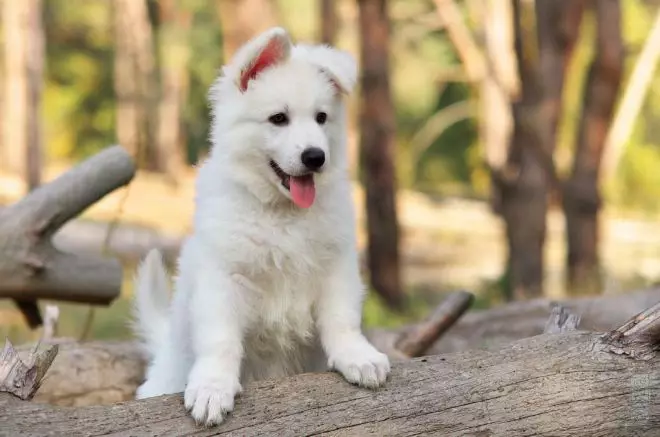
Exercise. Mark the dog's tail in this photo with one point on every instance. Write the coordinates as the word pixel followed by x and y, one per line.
pixel 151 302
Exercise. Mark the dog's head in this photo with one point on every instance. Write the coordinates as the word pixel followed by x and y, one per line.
pixel 279 119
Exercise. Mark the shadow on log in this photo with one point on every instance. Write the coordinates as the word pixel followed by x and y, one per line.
pixel 566 383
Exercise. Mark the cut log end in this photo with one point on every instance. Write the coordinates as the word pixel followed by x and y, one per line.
pixel 22 379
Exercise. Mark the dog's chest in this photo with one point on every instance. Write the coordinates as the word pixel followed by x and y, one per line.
pixel 293 251
pixel 286 265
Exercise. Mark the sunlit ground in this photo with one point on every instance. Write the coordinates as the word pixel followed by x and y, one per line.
pixel 447 244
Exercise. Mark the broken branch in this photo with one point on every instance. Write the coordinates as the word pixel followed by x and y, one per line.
pixel 31 267
pixel 415 341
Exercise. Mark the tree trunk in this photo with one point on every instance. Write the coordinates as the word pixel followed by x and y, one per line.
pixel 35 74
pixel 543 385
pixel 378 153
pixel 15 22
pixel 529 174
pixel 329 21
pixel 499 86
pixel 175 23
pixel 242 20
pixel 582 201
pixel 134 81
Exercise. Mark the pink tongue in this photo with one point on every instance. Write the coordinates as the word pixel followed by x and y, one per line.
pixel 303 190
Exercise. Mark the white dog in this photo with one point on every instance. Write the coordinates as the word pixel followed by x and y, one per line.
pixel 269 282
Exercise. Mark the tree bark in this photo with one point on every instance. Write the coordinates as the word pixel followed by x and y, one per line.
pixel 543 384
pixel 24 59
pixel 35 79
pixel 529 174
pixel 582 200
pixel 109 372
pixel 15 22
pixel 31 267
pixel 378 153
pixel 175 23
pixel 134 81
pixel 498 88
pixel 329 21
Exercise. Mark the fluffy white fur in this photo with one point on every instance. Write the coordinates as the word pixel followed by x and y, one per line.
pixel 265 289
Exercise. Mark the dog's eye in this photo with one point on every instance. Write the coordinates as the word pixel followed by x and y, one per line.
pixel 321 117
pixel 279 119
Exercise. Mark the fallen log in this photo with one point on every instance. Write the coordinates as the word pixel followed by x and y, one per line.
pixel 498 326
pixel 108 372
pixel 31 267
pixel 561 384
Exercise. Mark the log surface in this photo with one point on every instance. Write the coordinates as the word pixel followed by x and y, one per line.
pixel 108 372
pixel 565 384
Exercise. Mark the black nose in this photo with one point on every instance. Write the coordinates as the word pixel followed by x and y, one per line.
pixel 313 158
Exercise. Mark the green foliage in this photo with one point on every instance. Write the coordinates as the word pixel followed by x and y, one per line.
pixel 79 106
pixel 638 181
pixel 79 95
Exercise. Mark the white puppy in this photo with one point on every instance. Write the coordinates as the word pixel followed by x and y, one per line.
pixel 268 283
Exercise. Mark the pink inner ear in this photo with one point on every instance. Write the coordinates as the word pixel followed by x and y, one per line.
pixel 269 56
pixel 338 88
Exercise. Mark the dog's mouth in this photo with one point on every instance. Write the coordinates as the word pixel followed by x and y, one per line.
pixel 302 188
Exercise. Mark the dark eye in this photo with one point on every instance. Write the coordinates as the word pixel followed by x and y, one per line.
pixel 321 117
pixel 279 119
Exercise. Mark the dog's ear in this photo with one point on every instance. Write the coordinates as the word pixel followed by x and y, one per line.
pixel 264 51
pixel 339 65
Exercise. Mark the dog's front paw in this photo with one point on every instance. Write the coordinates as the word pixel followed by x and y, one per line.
pixel 361 364
pixel 210 399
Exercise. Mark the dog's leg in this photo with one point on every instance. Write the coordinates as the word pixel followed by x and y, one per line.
pixel 339 316
pixel 216 320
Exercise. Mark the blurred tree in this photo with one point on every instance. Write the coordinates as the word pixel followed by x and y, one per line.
pixel 377 144
pixel 24 60
pixel 329 21
pixel 498 88
pixel 242 20
pixel 173 32
pixel 35 83
pixel 528 176
pixel 581 196
pixel 15 21
pixel 134 81
pixel 24 76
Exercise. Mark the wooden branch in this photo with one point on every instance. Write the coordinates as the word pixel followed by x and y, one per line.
pixel 545 384
pixel 415 341
pixel 31 267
